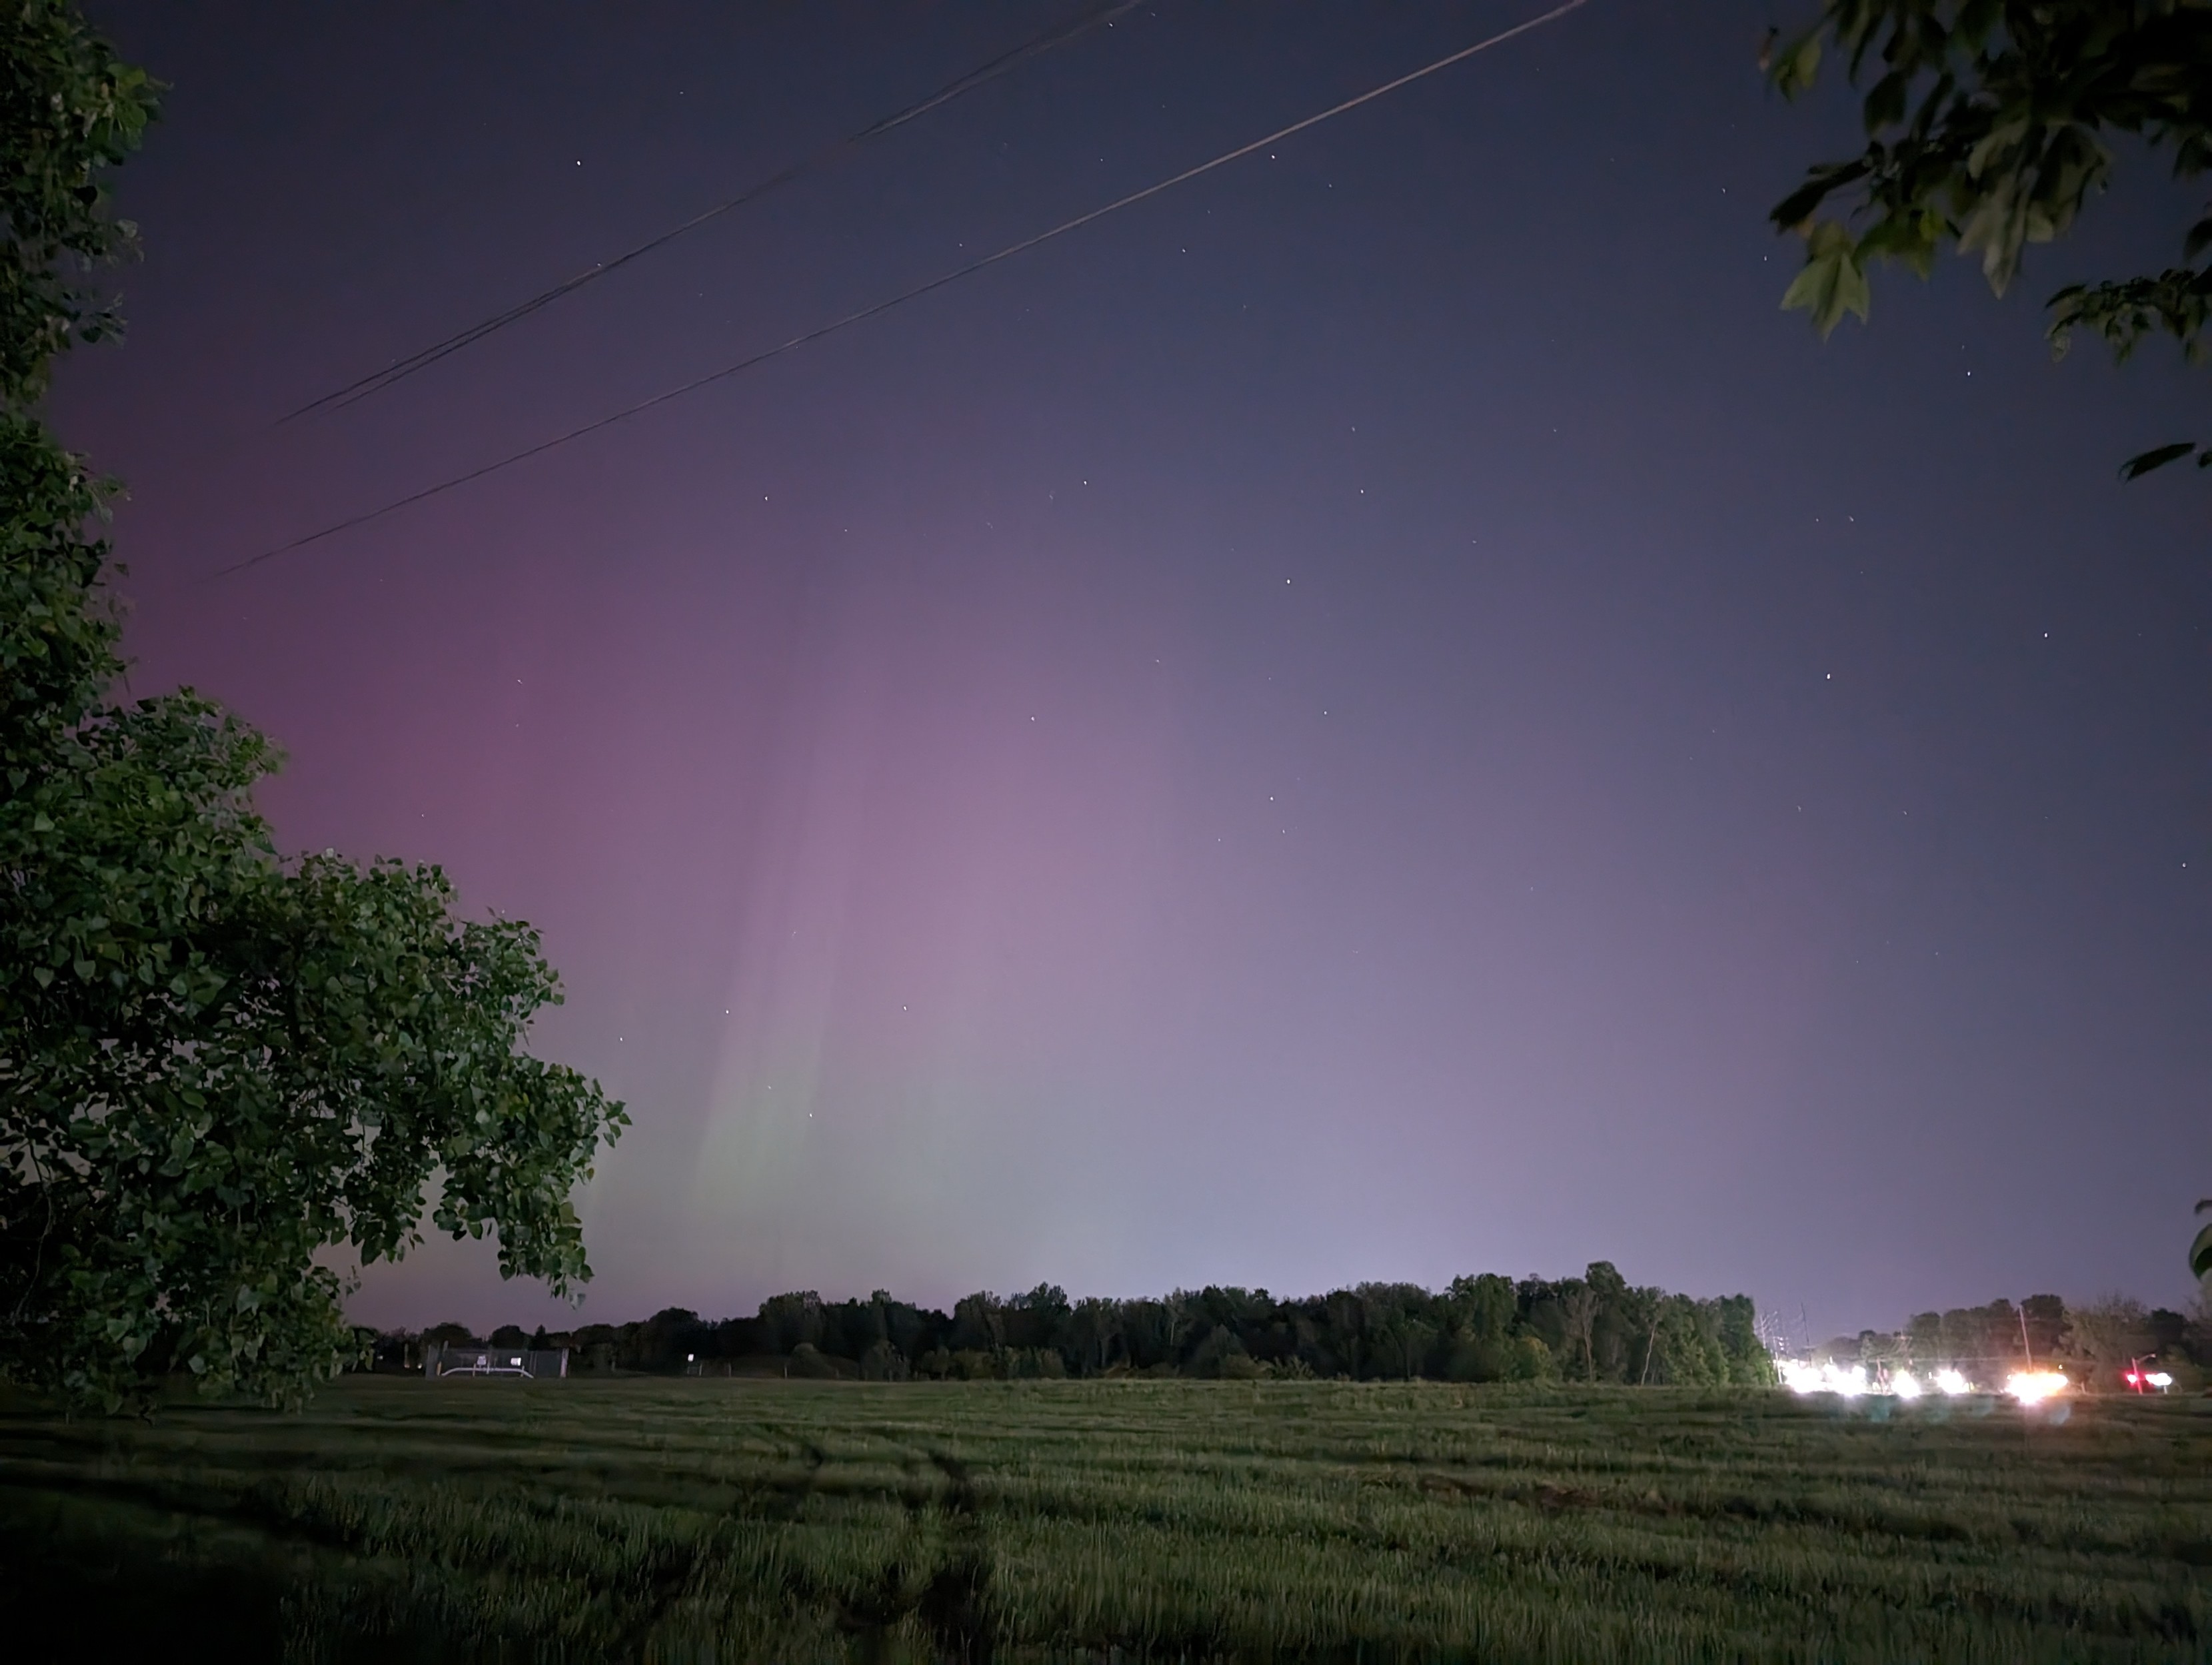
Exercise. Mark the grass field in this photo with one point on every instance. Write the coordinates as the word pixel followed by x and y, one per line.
pixel 712 1520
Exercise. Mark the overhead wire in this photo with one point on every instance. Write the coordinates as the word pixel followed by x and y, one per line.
pixel 878 308
pixel 400 369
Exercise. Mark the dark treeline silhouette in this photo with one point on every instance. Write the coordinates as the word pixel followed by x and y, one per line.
pixel 2095 1339
pixel 1596 1328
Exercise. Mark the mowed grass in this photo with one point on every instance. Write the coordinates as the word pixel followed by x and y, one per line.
pixel 764 1520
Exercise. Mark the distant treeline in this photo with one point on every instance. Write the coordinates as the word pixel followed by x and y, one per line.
pixel 1596 1328
pixel 2107 1336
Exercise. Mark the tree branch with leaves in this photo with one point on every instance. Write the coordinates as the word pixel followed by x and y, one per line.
pixel 1990 125
pixel 214 1064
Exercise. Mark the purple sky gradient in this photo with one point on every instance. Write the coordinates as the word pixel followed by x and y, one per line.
pixel 1382 715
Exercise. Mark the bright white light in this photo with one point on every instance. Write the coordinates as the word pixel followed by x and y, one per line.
pixel 1801 1377
pixel 2031 1387
pixel 2160 1379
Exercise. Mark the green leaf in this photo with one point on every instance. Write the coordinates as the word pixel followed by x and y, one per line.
pixel 1792 69
pixel 1832 281
pixel 1795 209
pixel 1885 103
pixel 2157 457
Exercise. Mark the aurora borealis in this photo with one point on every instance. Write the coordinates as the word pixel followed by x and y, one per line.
pixel 1384 715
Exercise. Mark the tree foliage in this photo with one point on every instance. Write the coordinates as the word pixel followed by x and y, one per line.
pixel 214 1064
pixel 1990 124
pixel 68 109
pixel 2092 1342
pixel 1482 1329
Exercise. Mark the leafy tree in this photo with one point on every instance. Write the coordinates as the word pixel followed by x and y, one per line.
pixel 1484 1302
pixel 1095 1330
pixel 1982 1340
pixel 1039 1319
pixel 1620 1323
pixel 1152 1331
pixel 2044 1318
pixel 214 1064
pixel 664 1341
pixel 882 1362
pixel 979 1322
pixel 809 1360
pixel 2110 1332
pixel 1399 1344
pixel 68 109
pixel 1989 126
pixel 1578 1308
pixel 1483 1328
pixel 1737 1325
pixel 1482 1314
pixel 1531 1361
pixel 1923 1341
pixel 2169 1333
pixel 788 1321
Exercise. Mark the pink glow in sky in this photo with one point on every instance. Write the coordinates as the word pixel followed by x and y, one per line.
pixel 1387 716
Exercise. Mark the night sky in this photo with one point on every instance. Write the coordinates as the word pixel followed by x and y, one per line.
pixel 1382 714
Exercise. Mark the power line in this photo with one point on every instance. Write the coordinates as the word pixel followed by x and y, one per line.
pixel 377 381
pixel 901 299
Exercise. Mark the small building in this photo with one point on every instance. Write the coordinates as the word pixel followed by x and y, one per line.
pixel 472 1359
